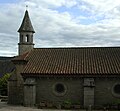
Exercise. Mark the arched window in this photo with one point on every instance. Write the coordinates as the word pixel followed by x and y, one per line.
pixel 27 38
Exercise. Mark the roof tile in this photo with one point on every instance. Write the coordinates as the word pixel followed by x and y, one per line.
pixel 91 60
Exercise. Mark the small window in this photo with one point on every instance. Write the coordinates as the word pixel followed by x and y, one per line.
pixel 59 89
pixel 27 38
pixel 117 89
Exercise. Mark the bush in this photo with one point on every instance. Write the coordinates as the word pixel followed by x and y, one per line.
pixel 3 84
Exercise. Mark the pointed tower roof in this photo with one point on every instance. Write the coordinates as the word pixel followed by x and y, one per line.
pixel 26 25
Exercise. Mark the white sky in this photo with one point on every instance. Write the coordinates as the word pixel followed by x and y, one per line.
pixel 61 23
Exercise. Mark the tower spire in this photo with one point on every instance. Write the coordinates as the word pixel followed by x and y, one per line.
pixel 26 32
pixel 26 25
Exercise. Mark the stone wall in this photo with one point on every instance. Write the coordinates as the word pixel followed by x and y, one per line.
pixel 104 89
pixel 23 48
pixel 15 86
pixel 30 92
pixel 46 91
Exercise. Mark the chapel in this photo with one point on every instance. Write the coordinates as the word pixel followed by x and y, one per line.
pixel 84 75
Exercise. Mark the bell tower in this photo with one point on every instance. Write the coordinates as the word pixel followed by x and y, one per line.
pixel 26 32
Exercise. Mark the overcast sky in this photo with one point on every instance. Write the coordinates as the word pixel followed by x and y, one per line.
pixel 61 23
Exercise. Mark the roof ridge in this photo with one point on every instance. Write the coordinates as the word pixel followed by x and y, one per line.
pixel 73 47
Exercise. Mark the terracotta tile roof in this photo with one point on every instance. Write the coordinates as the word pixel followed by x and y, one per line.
pixel 21 57
pixel 92 60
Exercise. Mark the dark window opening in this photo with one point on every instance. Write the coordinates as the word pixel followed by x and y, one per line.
pixel 59 88
pixel 117 89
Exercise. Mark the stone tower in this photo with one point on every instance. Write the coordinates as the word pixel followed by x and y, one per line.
pixel 26 32
pixel 15 82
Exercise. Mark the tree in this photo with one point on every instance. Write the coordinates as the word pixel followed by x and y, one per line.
pixel 3 84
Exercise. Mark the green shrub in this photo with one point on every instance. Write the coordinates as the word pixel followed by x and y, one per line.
pixel 67 102
pixel 3 84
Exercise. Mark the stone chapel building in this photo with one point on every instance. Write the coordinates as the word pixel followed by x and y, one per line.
pixel 88 75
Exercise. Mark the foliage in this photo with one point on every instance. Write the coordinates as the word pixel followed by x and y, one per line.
pixel 77 103
pixel 3 84
pixel 116 102
pixel 67 102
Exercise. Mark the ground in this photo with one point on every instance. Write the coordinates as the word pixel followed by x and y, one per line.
pixel 5 107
